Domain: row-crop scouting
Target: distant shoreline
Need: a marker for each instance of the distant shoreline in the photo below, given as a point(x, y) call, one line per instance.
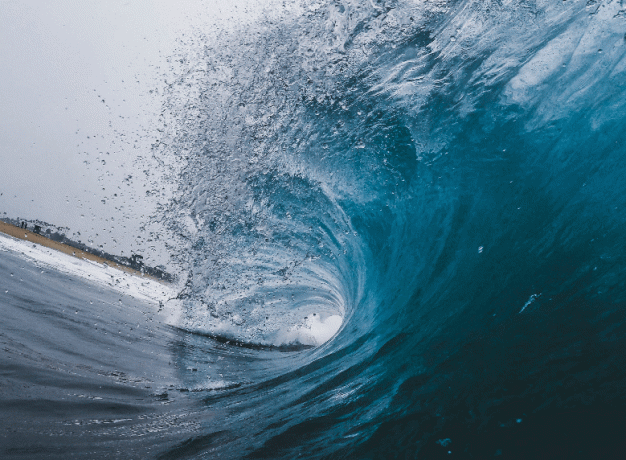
point(28, 235)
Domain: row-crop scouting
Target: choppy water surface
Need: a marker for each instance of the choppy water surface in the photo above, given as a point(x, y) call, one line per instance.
point(401, 233)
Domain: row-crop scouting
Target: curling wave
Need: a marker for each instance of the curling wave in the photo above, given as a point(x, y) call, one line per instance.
point(431, 185)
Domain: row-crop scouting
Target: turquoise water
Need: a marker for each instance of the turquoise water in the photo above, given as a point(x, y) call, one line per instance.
point(439, 185)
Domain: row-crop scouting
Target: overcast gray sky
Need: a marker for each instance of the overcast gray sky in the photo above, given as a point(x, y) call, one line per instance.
point(76, 108)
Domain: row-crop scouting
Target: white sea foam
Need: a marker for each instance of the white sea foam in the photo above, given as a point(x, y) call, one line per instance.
point(142, 288)
point(315, 331)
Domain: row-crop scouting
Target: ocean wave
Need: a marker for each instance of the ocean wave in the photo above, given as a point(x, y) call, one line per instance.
point(399, 229)
point(410, 173)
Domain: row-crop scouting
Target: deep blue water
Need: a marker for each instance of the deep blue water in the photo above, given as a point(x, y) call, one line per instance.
point(447, 177)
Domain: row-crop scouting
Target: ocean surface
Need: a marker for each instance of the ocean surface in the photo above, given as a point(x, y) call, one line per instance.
point(400, 232)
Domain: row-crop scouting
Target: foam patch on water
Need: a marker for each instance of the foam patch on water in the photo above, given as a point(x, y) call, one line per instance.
point(314, 332)
point(142, 288)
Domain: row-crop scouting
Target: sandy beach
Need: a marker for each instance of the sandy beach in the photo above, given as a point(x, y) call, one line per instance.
point(27, 235)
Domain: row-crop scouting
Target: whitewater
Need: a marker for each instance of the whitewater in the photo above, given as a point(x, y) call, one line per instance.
point(398, 232)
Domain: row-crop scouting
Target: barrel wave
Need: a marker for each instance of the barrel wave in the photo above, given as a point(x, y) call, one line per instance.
point(400, 229)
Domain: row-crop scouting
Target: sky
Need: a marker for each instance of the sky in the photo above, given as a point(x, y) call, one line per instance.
point(80, 94)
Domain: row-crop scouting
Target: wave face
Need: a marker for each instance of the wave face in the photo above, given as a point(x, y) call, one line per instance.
point(439, 183)
point(402, 228)
point(444, 181)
